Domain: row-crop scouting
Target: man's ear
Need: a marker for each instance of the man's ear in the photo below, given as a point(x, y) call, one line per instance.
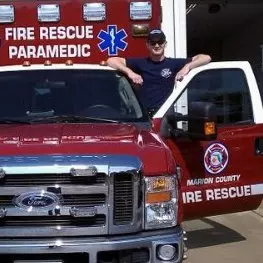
point(147, 45)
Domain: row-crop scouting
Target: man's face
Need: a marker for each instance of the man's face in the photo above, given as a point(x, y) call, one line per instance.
point(156, 48)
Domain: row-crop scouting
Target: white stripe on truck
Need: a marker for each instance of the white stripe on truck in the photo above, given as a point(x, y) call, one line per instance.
point(257, 189)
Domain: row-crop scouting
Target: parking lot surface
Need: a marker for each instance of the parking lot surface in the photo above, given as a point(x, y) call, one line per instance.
point(228, 238)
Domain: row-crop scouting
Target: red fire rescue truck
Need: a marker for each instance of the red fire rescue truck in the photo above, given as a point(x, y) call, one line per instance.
point(85, 175)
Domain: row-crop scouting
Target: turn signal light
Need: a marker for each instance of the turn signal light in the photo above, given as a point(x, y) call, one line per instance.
point(158, 197)
point(210, 128)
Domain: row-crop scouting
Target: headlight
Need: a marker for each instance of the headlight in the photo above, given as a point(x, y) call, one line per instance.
point(160, 202)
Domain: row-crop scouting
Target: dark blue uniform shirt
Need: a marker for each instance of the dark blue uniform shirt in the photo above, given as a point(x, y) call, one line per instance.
point(158, 78)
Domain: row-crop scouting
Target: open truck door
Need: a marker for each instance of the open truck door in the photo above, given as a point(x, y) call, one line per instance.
point(213, 124)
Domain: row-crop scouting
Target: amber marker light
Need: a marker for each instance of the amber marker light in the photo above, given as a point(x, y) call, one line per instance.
point(210, 128)
point(103, 63)
point(69, 62)
point(48, 63)
point(159, 184)
point(158, 197)
point(26, 63)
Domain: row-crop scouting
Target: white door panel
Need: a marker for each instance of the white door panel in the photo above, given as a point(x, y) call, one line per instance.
point(243, 65)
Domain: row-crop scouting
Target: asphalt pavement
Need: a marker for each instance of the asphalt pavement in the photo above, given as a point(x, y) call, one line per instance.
point(228, 238)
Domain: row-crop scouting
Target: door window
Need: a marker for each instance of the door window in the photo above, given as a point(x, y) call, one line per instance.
point(226, 88)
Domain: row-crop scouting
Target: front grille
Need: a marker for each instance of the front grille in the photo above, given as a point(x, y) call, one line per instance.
point(114, 195)
point(123, 198)
point(65, 258)
point(50, 179)
point(141, 255)
point(67, 200)
point(86, 200)
point(41, 221)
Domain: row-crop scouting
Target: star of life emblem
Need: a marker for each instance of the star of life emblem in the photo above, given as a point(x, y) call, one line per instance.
point(216, 158)
point(166, 73)
point(112, 40)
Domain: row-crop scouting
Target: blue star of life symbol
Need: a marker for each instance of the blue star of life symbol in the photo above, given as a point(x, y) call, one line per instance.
point(112, 40)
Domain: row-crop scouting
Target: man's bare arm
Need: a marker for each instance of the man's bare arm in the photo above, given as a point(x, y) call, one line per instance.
point(120, 64)
point(197, 61)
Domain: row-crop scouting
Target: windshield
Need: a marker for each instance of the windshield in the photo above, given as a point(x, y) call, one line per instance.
point(102, 94)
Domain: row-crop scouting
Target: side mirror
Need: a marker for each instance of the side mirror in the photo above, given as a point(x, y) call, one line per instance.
point(202, 121)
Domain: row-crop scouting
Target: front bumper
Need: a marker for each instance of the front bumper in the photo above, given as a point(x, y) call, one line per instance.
point(93, 248)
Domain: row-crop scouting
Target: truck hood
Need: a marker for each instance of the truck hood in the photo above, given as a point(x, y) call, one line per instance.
point(88, 139)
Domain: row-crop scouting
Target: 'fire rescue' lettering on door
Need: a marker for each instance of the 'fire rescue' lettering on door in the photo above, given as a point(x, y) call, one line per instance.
point(222, 193)
point(48, 33)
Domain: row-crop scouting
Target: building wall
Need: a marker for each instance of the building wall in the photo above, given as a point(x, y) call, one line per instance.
point(243, 44)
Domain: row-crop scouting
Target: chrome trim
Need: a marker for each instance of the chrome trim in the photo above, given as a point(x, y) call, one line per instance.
point(83, 211)
point(45, 164)
point(53, 231)
point(136, 224)
point(89, 171)
point(2, 173)
point(150, 240)
point(3, 212)
point(65, 190)
point(64, 211)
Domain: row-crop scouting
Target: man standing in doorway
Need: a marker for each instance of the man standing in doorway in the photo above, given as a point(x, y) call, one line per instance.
point(156, 74)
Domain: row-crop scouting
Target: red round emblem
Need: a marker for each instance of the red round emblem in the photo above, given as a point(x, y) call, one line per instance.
point(215, 158)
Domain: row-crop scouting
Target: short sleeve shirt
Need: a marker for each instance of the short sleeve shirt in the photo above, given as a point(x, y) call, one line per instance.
point(158, 78)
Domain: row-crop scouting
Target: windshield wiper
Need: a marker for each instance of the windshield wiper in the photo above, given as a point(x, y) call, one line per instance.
point(13, 121)
point(72, 118)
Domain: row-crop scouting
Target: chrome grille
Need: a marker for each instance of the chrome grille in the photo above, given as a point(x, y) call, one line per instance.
point(50, 179)
point(107, 201)
point(66, 200)
point(65, 221)
point(123, 199)
point(87, 200)
point(45, 258)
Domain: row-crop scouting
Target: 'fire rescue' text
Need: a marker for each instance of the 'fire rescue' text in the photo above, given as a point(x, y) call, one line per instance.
point(50, 50)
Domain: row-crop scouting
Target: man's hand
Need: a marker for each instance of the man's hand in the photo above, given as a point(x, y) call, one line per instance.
point(197, 61)
point(135, 78)
point(120, 64)
point(182, 73)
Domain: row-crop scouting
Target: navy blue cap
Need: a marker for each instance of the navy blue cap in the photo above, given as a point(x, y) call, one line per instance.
point(156, 35)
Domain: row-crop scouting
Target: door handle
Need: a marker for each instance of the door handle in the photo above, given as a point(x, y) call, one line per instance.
point(259, 146)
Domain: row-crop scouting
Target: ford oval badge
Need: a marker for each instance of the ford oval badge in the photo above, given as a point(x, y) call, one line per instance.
point(37, 200)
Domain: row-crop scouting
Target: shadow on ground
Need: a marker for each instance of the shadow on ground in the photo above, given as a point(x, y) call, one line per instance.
point(213, 234)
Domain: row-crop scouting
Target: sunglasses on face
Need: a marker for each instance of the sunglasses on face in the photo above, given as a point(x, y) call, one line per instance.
point(153, 43)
